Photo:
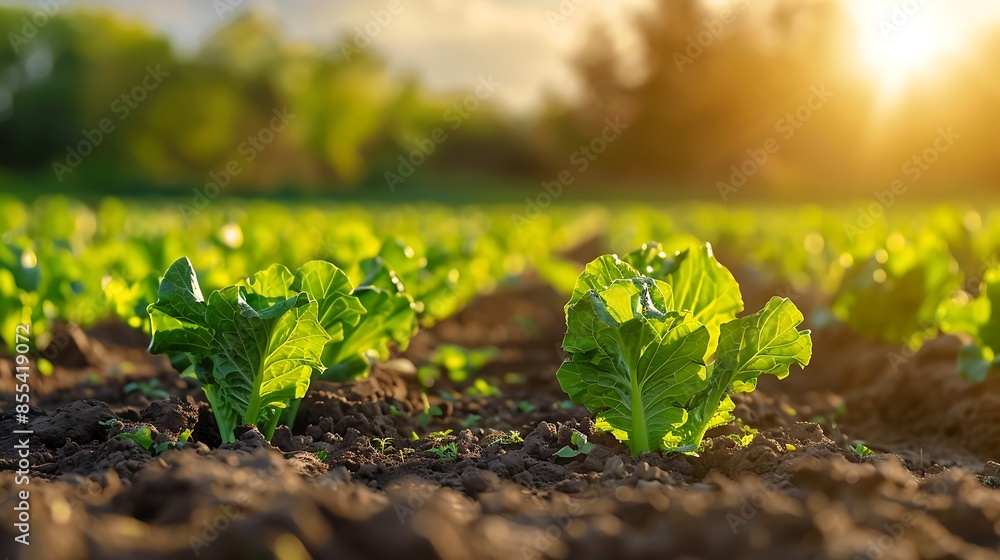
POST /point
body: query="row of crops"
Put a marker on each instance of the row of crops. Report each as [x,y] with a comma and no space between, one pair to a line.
[899,279]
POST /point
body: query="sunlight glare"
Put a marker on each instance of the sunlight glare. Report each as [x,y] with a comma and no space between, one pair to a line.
[901,41]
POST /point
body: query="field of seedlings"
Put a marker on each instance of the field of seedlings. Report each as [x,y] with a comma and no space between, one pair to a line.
[262,379]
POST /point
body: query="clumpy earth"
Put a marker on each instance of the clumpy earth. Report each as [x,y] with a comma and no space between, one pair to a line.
[363,474]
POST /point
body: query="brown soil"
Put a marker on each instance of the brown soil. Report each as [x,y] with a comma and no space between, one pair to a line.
[796,491]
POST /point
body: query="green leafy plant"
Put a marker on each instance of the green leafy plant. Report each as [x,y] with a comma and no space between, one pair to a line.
[382,443]
[893,295]
[143,435]
[655,347]
[978,318]
[386,315]
[861,450]
[578,446]
[253,347]
[322,455]
[510,438]
[746,437]
[447,452]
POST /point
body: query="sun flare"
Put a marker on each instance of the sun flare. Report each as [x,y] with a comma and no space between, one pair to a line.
[901,41]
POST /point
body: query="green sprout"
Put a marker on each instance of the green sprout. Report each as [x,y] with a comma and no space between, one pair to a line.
[578,446]
[447,452]
[861,450]
[439,435]
[383,443]
[746,437]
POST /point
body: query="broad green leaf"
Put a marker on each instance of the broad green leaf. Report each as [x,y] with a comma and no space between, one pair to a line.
[177,337]
[178,315]
[618,302]
[264,358]
[700,284]
[599,274]
[390,317]
[179,294]
[640,331]
[273,284]
[765,343]
[331,288]
[637,375]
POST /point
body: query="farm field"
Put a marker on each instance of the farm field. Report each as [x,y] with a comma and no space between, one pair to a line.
[270,380]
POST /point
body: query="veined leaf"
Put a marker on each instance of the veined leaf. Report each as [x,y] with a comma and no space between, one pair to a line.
[254,346]
[325,283]
[332,290]
[701,285]
[178,315]
[638,372]
[765,343]
[265,358]
[639,346]
[620,301]
[599,274]
[390,318]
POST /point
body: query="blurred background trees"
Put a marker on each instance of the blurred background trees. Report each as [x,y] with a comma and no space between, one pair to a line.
[708,89]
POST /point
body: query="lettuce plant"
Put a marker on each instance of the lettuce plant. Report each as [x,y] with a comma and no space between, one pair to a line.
[388,316]
[655,346]
[978,318]
[255,346]
[893,296]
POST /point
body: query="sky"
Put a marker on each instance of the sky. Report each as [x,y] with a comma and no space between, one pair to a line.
[449,43]
[524,44]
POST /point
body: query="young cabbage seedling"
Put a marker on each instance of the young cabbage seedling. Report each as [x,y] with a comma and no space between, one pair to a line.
[655,347]
[253,347]
[579,446]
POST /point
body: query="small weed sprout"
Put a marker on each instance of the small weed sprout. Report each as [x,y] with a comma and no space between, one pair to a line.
[438,436]
[447,452]
[382,443]
[578,446]
[861,450]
